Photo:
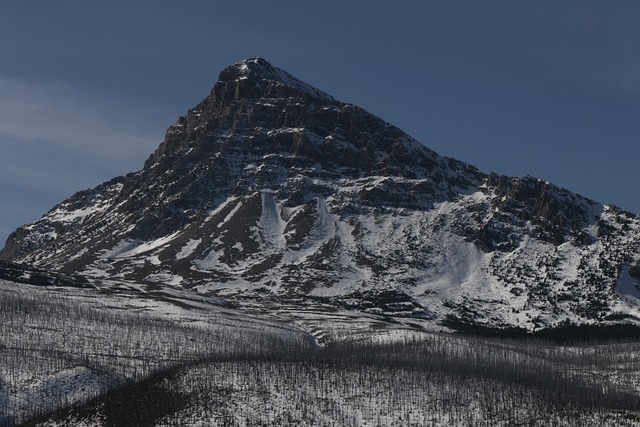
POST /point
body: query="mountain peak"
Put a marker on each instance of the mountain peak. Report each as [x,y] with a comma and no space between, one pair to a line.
[270,188]
[258,69]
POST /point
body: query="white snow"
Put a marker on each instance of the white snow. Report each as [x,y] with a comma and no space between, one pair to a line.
[166,278]
[284,130]
[229,215]
[188,249]
[65,216]
[128,248]
[270,224]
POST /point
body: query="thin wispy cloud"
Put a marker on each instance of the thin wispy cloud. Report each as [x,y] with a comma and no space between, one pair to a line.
[58,138]
[59,115]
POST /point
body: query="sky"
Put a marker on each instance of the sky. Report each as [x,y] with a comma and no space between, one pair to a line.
[542,88]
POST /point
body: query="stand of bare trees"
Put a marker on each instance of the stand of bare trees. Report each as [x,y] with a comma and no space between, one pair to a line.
[69,363]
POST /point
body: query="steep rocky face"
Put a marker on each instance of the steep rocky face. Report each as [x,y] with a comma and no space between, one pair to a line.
[270,187]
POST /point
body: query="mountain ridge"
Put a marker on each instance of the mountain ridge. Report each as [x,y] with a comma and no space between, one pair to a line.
[272,188]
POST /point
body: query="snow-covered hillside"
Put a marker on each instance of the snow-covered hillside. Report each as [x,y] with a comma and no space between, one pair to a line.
[115,353]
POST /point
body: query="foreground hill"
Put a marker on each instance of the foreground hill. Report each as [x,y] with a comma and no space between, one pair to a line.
[115,354]
[271,189]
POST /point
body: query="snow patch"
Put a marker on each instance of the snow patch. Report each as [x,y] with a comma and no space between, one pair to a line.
[128,248]
[188,249]
[270,224]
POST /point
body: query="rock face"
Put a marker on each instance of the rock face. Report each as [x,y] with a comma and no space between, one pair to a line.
[272,188]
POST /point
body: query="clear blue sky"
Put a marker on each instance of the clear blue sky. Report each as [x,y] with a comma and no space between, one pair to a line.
[545,88]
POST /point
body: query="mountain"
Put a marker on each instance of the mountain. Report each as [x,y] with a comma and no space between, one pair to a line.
[270,189]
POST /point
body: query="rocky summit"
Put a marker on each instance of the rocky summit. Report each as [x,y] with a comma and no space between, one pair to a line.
[271,189]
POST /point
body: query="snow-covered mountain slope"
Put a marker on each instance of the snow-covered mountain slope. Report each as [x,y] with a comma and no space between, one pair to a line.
[270,188]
